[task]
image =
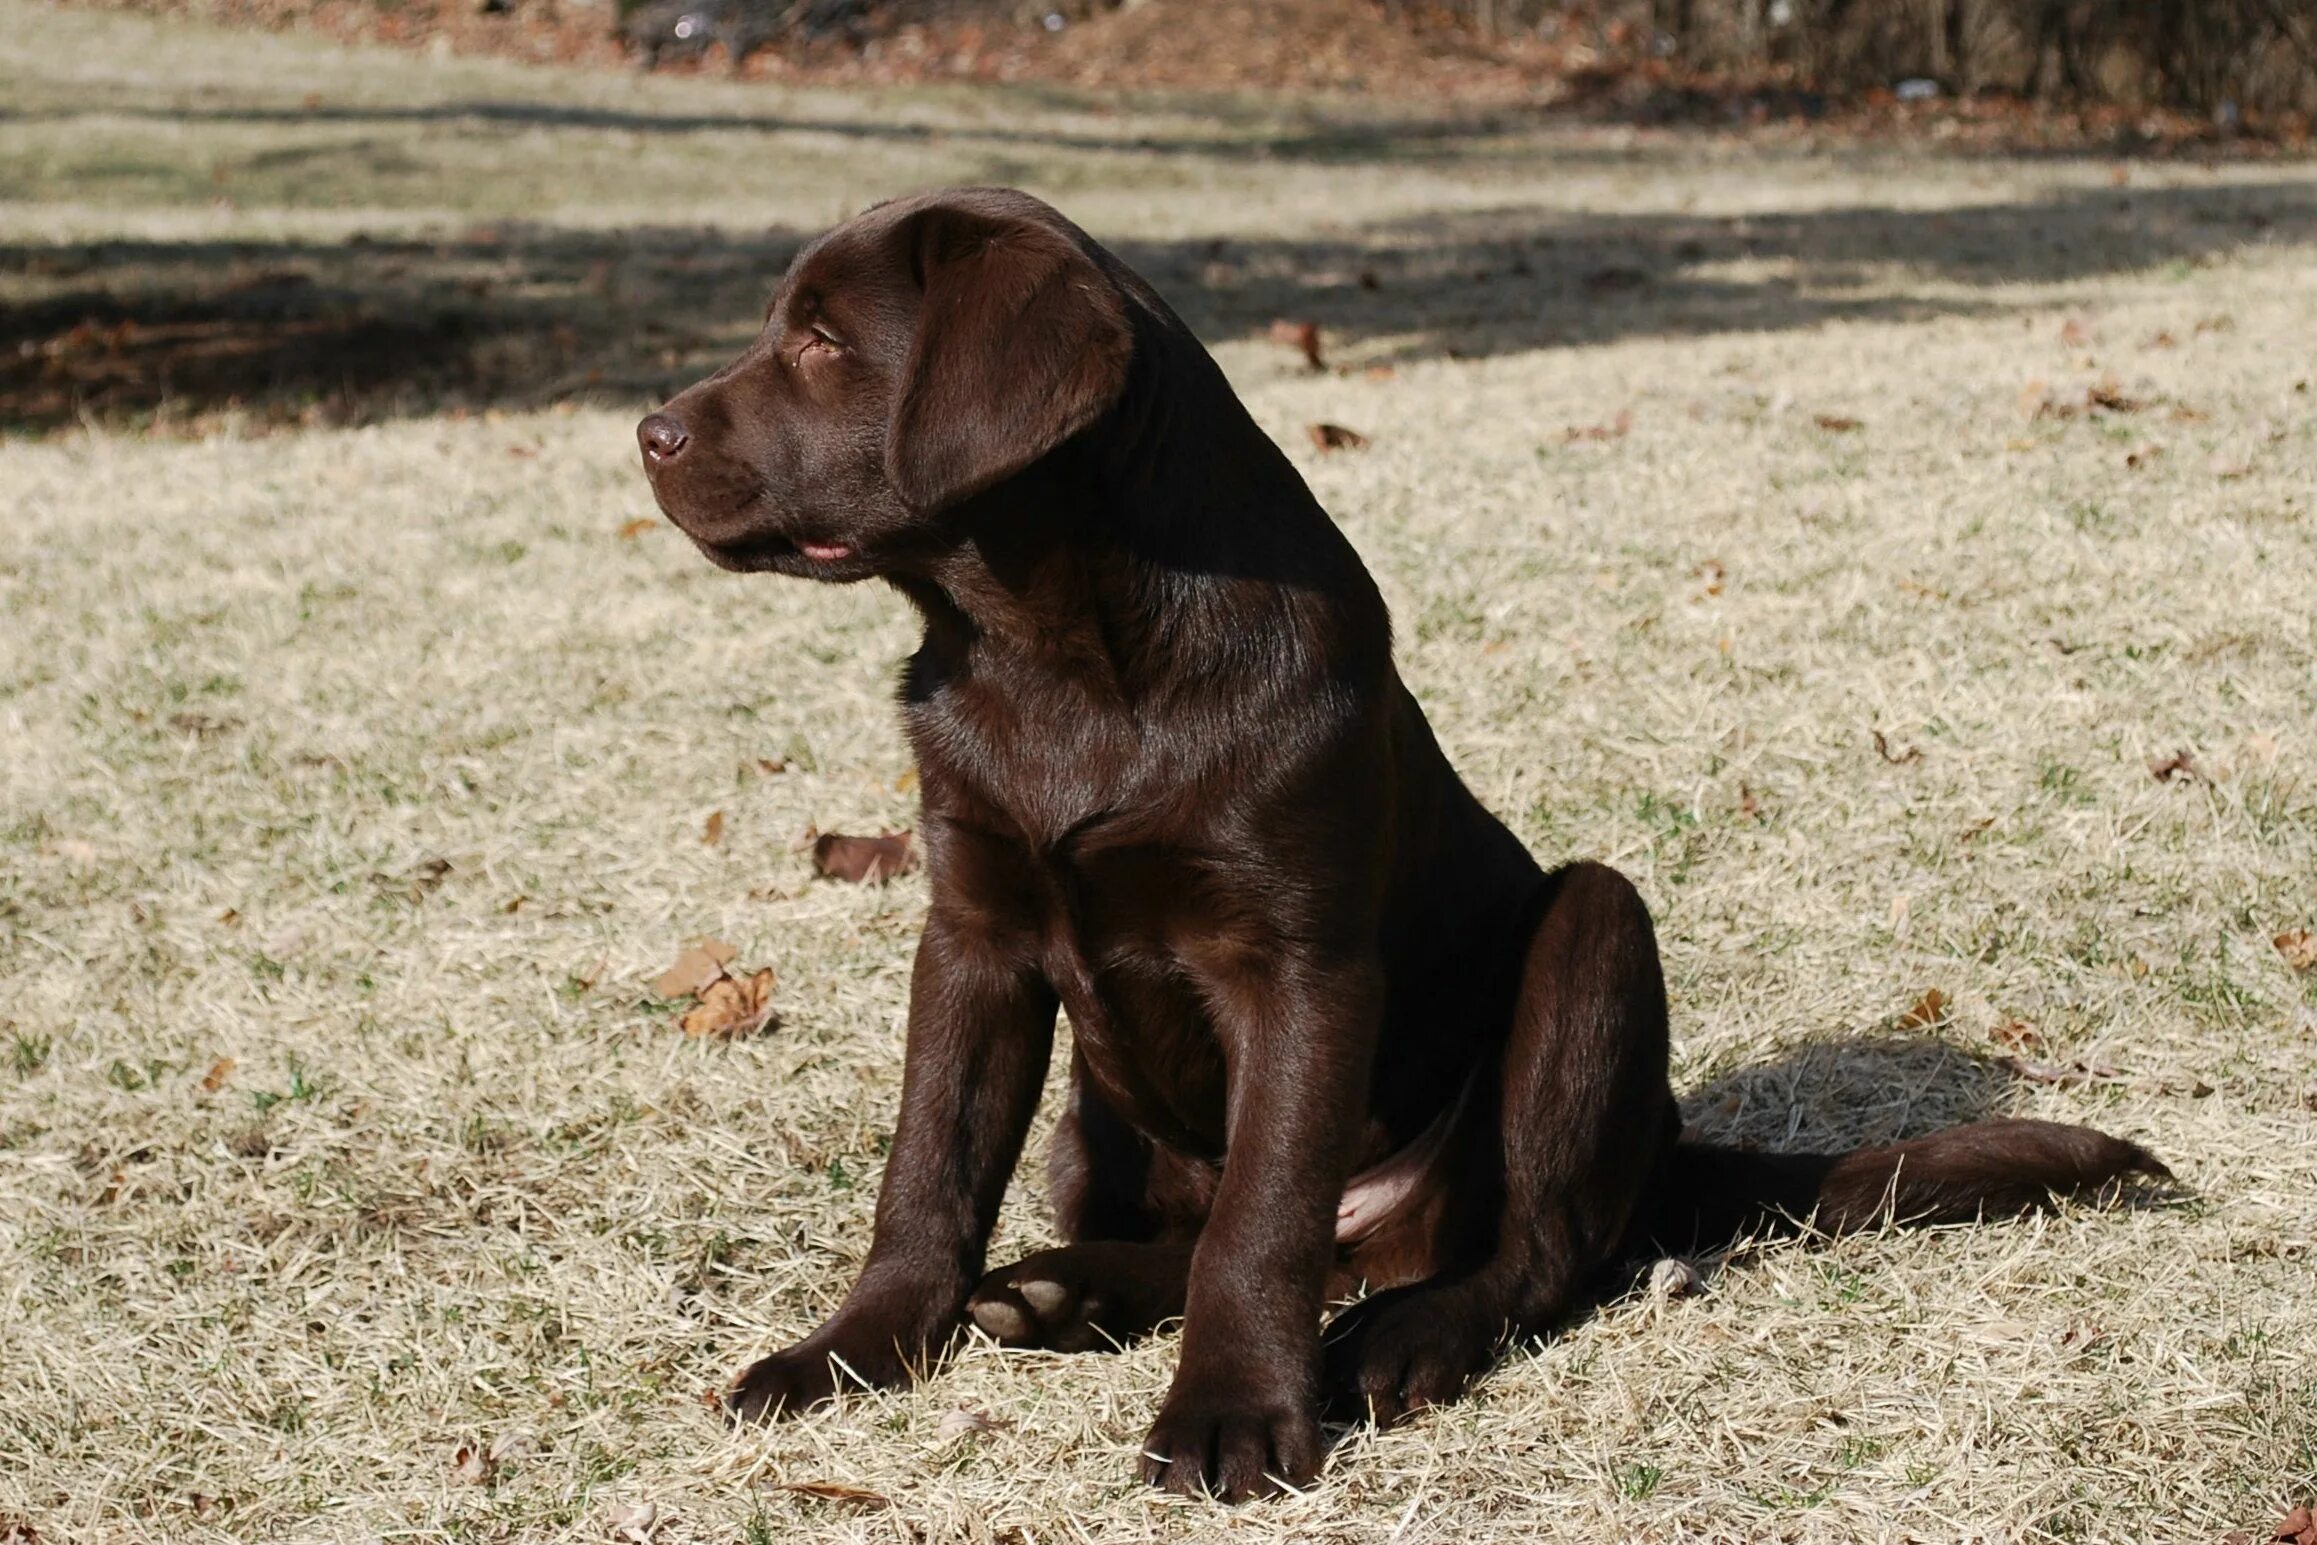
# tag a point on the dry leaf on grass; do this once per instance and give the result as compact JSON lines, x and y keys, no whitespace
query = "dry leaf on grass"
{"x":696,"y":966}
{"x":2298,"y":946}
{"x":1302,"y":336}
{"x":414,"y":883}
{"x":962,"y":1423}
{"x":1335,"y":437}
{"x":2102,"y":396}
{"x":1673,"y":1277}
{"x":2178,"y":765}
{"x":634,"y":1522}
{"x":2018,"y":1036}
{"x":731,"y":1007}
{"x":1895,"y":758}
{"x":1837,"y":423}
{"x":470,"y":1466}
{"x":2299,"y":1527}
{"x":630,"y":530}
{"x":1930,"y":1011}
{"x":724,"y":1005}
{"x":2067,"y":1075}
{"x":219,"y":1072}
{"x":1616,"y":429}
{"x":2077,"y":1075}
{"x":712,"y":830}
{"x":862,"y":860}
{"x":832,"y":1491}
{"x":15,"y":1529}
{"x":515,"y":1444}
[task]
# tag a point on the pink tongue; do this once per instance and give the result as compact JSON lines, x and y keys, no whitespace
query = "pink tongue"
{"x":824,"y":552}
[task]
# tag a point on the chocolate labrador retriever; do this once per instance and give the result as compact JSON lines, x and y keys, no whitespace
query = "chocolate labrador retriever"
{"x":1332,"y":1025}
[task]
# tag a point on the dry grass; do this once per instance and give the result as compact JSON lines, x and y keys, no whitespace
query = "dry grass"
{"x":462,"y":1184}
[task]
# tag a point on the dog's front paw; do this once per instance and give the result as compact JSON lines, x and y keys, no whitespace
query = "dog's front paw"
{"x":846,"y":1351}
{"x":784,"y":1384}
{"x":1231,"y":1442}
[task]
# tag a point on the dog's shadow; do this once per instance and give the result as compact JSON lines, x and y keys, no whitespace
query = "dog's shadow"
{"x":1832,"y":1095}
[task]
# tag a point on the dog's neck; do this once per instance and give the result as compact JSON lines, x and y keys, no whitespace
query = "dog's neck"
{"x":1173,"y":542}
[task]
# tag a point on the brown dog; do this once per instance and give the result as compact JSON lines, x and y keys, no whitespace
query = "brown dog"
{"x":1332,"y":1024}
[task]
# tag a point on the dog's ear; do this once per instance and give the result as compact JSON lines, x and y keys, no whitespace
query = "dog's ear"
{"x":1021,"y":343}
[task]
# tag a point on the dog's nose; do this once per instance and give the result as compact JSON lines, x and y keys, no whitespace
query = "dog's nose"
{"x":662,"y":436}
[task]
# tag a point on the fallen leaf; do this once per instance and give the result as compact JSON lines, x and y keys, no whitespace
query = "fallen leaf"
{"x":2178,"y":765}
{"x":15,"y":1529}
{"x":202,"y":726}
{"x":832,"y":1491}
{"x":1673,"y":1277}
{"x":414,"y":883}
{"x":1303,"y":336}
{"x":1748,"y":805}
{"x":712,"y":831}
{"x":219,"y":1072}
{"x":630,"y":530}
{"x":634,"y":1521}
{"x":2299,"y":947}
{"x":2106,"y":394}
{"x":907,"y":782}
{"x":2299,"y":1527}
{"x":863,"y":860}
{"x":771,"y":766}
{"x":2069,"y":1075}
{"x":2163,"y":340}
{"x":515,"y":1444}
{"x":2017,"y":1035}
{"x":1335,"y":437}
{"x":1616,"y":429}
{"x":731,"y":1007}
{"x":470,"y":1466}
{"x":962,"y":1423}
{"x":1929,"y":1012}
{"x":1837,"y":423}
{"x":1895,"y":758}
{"x":696,"y":966}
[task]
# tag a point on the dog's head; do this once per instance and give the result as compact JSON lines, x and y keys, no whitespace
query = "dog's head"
{"x":912,"y":358}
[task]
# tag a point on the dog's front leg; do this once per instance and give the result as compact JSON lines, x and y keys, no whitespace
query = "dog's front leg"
{"x":1240,"y":1419}
{"x":981,"y":1025}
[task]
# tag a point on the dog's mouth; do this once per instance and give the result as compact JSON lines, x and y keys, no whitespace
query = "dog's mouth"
{"x":759,"y":552}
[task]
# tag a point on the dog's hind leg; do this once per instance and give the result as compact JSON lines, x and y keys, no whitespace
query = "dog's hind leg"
{"x":1131,"y":1212}
{"x":1581,"y":1116}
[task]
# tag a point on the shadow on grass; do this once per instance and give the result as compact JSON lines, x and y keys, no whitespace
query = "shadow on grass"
{"x":521,"y":316}
{"x":1849,"y":1092}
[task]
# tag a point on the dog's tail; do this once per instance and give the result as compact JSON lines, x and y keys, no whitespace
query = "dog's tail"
{"x":1713,"y":1195}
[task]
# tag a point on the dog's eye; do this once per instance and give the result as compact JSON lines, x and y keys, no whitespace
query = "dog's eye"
{"x":817,"y":341}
